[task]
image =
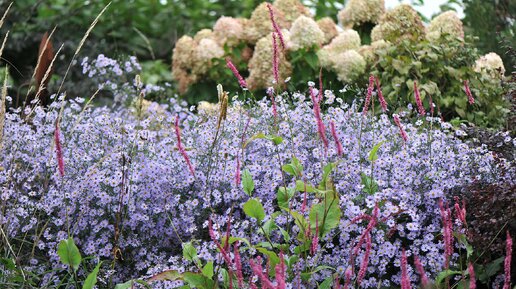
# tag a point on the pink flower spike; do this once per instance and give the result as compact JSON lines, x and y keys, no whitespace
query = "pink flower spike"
{"x":471,"y":100}
{"x":317,"y":113}
{"x":280,"y":273}
{"x":182,"y":149}
{"x":320,"y":85}
{"x":239,"y":77}
{"x":472,"y":281}
{"x":507,"y":262}
{"x":237,"y":173}
{"x":383,"y":103}
{"x":315,"y":238}
{"x":270,"y":92}
{"x":275,"y":26}
{"x":59,"y":149}
{"x":338,"y":144}
{"x":398,"y":123}
{"x":347,"y":276}
{"x":419,"y":103}
{"x":369,"y":94}
{"x":238,"y":265}
{"x":405,"y":281}
{"x":275,"y":58}
{"x":365,"y":259}
{"x":421,"y":272}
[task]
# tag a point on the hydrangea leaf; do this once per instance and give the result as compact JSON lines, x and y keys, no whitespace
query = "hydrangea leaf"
{"x":254,"y":209}
{"x":69,"y":253}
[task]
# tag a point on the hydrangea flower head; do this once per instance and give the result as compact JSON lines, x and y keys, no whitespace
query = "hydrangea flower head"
{"x":305,"y":33}
{"x":491,"y":65}
{"x":357,"y":12}
{"x":445,"y":23}
{"x":399,"y":23}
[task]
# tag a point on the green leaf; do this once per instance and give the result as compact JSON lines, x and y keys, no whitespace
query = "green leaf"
{"x":247,"y":182}
{"x":326,"y":284}
{"x":326,"y":182}
{"x":370,"y":185}
{"x":301,"y":223}
{"x":269,"y":226}
{"x":295,"y":168}
{"x":273,"y":258}
{"x":328,"y":215}
{"x":254,"y":209}
{"x":373,"y":155}
{"x":91,"y":280}
{"x":189,"y":251}
{"x":168,"y":275}
{"x":444,"y":274}
{"x":274,"y":138}
{"x":208,"y":270}
{"x":69,"y":253}
{"x":125,"y":285}
{"x":302,"y":186}
{"x":283,"y":197}
{"x":196,"y":280}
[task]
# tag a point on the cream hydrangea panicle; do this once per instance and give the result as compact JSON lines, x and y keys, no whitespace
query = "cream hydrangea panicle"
{"x":183,"y":61}
{"x":203,"y":33}
{"x":305,"y":33}
{"x":260,"y":24}
{"x":346,"y":40}
{"x":357,"y":12}
{"x":349,"y":65}
{"x":491,"y":64}
{"x":369,"y":52}
{"x":228,"y":30}
{"x":291,"y":9}
{"x":398,"y":24}
{"x":328,"y":26}
{"x":445,"y":23}
{"x":206,"y":50}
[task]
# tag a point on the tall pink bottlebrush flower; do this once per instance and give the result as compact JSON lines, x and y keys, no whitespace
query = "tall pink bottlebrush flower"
{"x":369,"y":94}
{"x":447,"y":232}
{"x":338,"y":144}
{"x":398,"y":124}
{"x":59,"y":150}
{"x":275,"y":58}
{"x":471,"y":100}
{"x":421,"y":272}
{"x":320,"y":85}
{"x":228,"y":233}
{"x":507,"y":262}
{"x":419,"y":103}
{"x":405,"y":280}
{"x":224,"y":253}
{"x":181,"y":148}
{"x":472,"y":280}
{"x":460,"y":212}
{"x":233,"y":69}
{"x":280,"y":273}
{"x":381,"y":99}
{"x":347,"y":278}
{"x":315,"y":238}
{"x":365,"y":260}
{"x":257,"y":269}
{"x":275,"y":26}
{"x":317,"y":113}
{"x":238,"y":265}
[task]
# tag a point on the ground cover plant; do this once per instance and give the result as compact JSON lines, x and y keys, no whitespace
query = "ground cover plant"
{"x":289,"y":188}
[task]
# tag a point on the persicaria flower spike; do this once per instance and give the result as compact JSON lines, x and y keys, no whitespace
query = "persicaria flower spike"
{"x":405,"y":280}
{"x":181,"y":148}
{"x":471,"y":100}
{"x":419,"y":103}
{"x":338,"y":144}
{"x":381,"y":99}
{"x":472,"y":280}
{"x":421,"y":272}
{"x":238,"y":266}
{"x":233,"y":69}
{"x":398,"y":124}
{"x":275,"y":26}
{"x":365,"y":259}
{"x":275,"y":58}
{"x":369,"y":94}
{"x":270,"y":92}
{"x":315,"y":239}
{"x":317,"y":113}
{"x":59,"y":149}
{"x":507,"y":262}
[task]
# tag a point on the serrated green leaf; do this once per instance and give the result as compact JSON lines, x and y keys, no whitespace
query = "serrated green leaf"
{"x":247,"y":182}
{"x":69,"y":253}
{"x":254,"y":209}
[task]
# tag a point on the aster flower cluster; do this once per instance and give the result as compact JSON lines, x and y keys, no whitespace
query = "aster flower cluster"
{"x":133,"y":187}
